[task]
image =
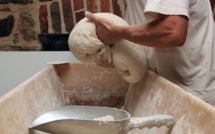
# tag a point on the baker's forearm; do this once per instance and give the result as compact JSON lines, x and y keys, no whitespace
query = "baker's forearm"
{"x":165,"y":32}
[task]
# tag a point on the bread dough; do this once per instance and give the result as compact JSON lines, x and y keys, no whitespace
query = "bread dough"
{"x":128,"y":58}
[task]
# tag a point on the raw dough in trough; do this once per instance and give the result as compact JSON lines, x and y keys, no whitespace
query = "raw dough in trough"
{"x":128,"y":58}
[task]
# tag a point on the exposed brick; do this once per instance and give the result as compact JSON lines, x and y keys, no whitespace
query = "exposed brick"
{"x":6,"y":26}
{"x":67,"y":13}
{"x":55,"y":17}
{"x":105,"y":6}
{"x":116,"y":8}
{"x":43,"y":19}
{"x":26,"y":26}
{"x":79,"y":16}
{"x":91,"y":6}
{"x":78,"y":4}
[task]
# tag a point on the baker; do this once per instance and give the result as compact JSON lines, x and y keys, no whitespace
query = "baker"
{"x":179,"y":37}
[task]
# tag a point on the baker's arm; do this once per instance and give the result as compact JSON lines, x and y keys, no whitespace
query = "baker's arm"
{"x":167,"y":31}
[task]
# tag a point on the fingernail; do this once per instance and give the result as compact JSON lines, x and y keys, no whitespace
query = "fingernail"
{"x":87,"y":13}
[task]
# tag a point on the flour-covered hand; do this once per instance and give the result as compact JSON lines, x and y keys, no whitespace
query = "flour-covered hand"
{"x":105,"y":29}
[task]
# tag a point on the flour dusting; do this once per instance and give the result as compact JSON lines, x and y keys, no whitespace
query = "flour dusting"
{"x":105,"y":118}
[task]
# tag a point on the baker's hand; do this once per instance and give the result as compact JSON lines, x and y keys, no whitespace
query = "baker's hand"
{"x":105,"y":29}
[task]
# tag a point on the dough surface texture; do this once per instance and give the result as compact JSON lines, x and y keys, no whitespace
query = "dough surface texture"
{"x":128,"y":58}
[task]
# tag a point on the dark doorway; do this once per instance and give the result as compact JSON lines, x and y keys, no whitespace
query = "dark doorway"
{"x":54,"y":42}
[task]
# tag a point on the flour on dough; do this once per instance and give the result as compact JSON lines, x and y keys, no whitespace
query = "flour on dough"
{"x":128,"y":58}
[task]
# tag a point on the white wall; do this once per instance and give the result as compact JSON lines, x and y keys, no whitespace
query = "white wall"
{"x":16,"y":67}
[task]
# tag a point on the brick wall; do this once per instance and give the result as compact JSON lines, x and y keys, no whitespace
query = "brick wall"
{"x":23,"y":21}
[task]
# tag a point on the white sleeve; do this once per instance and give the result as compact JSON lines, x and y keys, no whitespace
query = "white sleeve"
{"x":167,"y":7}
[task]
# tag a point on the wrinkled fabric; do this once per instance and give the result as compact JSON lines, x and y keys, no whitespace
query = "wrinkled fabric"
{"x":191,"y":66}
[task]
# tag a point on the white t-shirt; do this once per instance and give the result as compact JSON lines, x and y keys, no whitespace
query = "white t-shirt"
{"x":191,"y":66}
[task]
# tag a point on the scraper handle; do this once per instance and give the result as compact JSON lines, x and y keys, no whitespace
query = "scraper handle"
{"x":152,"y":121}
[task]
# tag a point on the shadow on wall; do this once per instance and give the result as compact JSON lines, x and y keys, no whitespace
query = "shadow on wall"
{"x":54,"y":42}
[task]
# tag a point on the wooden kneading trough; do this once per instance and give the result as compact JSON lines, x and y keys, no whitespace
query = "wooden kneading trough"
{"x":128,"y":58}
{"x":55,"y":86}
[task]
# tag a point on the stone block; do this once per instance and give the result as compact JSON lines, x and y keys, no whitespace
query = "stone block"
{"x":26,"y":26}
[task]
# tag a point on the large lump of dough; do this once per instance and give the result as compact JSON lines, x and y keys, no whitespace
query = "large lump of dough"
{"x":128,"y":58}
